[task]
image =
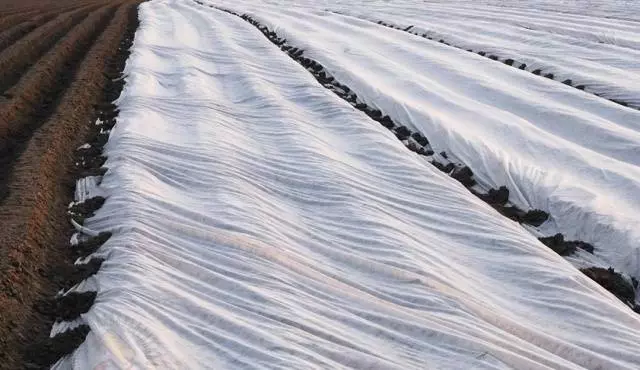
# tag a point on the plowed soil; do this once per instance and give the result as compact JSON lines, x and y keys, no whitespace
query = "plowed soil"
{"x":53,"y":58}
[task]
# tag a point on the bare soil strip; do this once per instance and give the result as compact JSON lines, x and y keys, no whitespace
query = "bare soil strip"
{"x":29,"y":8}
{"x":13,"y":34}
{"x":20,"y":56}
{"x":34,"y":97}
{"x":35,"y":253}
{"x":414,"y":141}
{"x":9,"y":21}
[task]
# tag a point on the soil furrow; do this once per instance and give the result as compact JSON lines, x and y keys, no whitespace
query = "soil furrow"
{"x":34,"y":239}
{"x":13,"y":34}
{"x":20,"y":56}
{"x":34,"y":97}
{"x":12,"y":20}
{"x":416,"y":142}
{"x":31,"y":8}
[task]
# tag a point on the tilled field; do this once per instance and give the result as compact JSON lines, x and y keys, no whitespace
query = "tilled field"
{"x":301,"y":186}
{"x":56,"y":63}
{"x":381,"y":184}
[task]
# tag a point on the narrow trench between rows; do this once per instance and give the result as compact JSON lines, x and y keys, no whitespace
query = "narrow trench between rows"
{"x":12,"y":149}
{"x":75,"y":17}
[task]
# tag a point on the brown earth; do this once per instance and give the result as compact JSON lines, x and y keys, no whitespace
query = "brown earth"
{"x":54,"y":59}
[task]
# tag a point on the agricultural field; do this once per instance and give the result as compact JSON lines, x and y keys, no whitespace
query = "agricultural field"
{"x":193,"y":184}
{"x":57,"y":62}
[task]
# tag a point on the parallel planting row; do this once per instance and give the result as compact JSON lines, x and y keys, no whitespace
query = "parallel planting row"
{"x":594,"y":54}
{"x":238,"y":185}
{"x":60,"y":72}
{"x":418,"y":143}
{"x":14,"y":12}
{"x":56,"y":64}
{"x":506,"y":60}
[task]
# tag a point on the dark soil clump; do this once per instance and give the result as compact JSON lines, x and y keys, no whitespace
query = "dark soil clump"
{"x":419,"y":138}
{"x":86,"y":247}
{"x":496,"y":197}
{"x":402,"y":133}
{"x":535,"y":217}
{"x":613,"y":282}
{"x":464,"y":175}
{"x":558,"y":245}
{"x":67,"y":307}
{"x":564,"y":247}
{"x":44,"y":354}
{"x":88,"y":207}
{"x":80,"y":272}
